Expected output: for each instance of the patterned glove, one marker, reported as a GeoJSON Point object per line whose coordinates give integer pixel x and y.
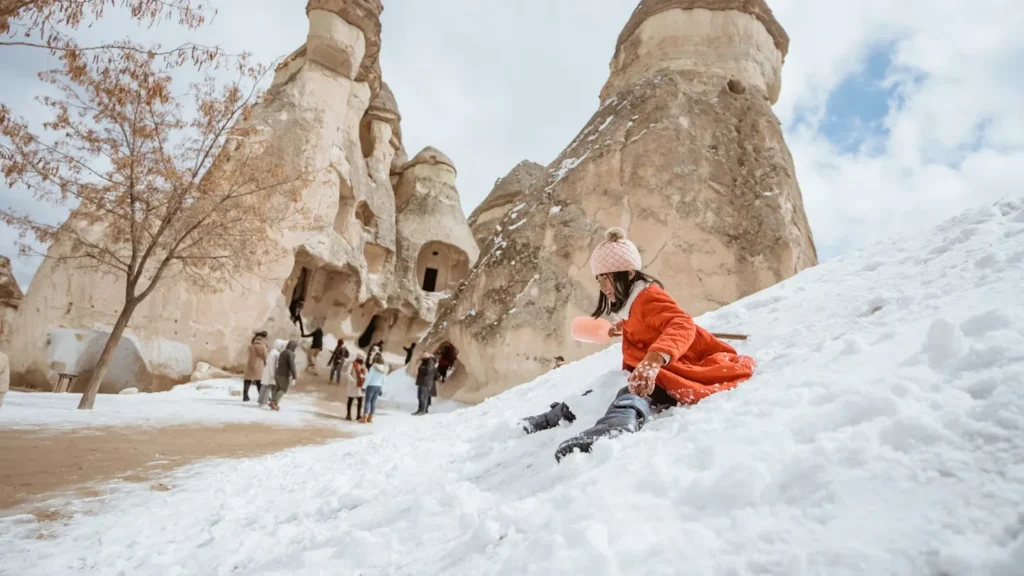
{"type": "Point", "coordinates": [642, 380]}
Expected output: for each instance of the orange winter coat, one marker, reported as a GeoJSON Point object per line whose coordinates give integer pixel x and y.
{"type": "Point", "coordinates": [700, 364]}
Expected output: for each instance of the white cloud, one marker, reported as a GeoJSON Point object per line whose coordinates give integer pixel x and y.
{"type": "Point", "coordinates": [493, 83]}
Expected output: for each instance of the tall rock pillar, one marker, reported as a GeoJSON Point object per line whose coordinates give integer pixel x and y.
{"type": "Point", "coordinates": [685, 153]}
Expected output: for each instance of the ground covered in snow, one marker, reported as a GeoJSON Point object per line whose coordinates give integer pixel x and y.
{"type": "Point", "coordinates": [211, 402]}
{"type": "Point", "coordinates": [882, 434]}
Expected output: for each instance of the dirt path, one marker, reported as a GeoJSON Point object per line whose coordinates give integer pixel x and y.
{"type": "Point", "coordinates": [33, 463]}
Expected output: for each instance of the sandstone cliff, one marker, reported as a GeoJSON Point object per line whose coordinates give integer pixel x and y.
{"type": "Point", "coordinates": [685, 153]}
{"type": "Point", "coordinates": [10, 297]}
{"type": "Point", "coordinates": [327, 115]}
{"type": "Point", "coordinates": [507, 191]}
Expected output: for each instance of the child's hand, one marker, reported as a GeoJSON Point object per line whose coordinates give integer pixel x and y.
{"type": "Point", "coordinates": [615, 330]}
{"type": "Point", "coordinates": [644, 376]}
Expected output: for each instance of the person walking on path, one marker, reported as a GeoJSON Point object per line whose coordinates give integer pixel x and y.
{"type": "Point", "coordinates": [315, 347]}
{"type": "Point", "coordinates": [285, 374]}
{"type": "Point", "coordinates": [337, 362]}
{"type": "Point", "coordinates": [5, 377]}
{"type": "Point", "coordinates": [356, 376]}
{"type": "Point", "coordinates": [426, 376]}
{"type": "Point", "coordinates": [374, 386]}
{"type": "Point", "coordinates": [255, 365]}
{"type": "Point", "coordinates": [269, 380]}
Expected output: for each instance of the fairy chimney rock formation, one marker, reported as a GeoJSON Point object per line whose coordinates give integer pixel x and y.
{"type": "Point", "coordinates": [684, 153]}
{"type": "Point", "coordinates": [330, 119]}
{"type": "Point", "coordinates": [507, 191]}
{"type": "Point", "coordinates": [344, 36]}
{"type": "Point", "coordinates": [736, 38]}
{"type": "Point", "coordinates": [436, 246]}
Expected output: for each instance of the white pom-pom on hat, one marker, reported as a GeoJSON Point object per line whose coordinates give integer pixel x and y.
{"type": "Point", "coordinates": [615, 254]}
{"type": "Point", "coordinates": [615, 234]}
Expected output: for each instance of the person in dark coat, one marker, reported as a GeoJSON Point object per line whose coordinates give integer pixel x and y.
{"type": "Point", "coordinates": [314, 349]}
{"type": "Point", "coordinates": [337, 362]}
{"type": "Point", "coordinates": [449, 354]}
{"type": "Point", "coordinates": [285, 374]}
{"type": "Point", "coordinates": [408, 353]}
{"type": "Point", "coordinates": [426, 380]}
{"type": "Point", "coordinates": [296, 311]}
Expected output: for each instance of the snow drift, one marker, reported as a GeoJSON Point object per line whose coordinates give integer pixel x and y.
{"type": "Point", "coordinates": [882, 434]}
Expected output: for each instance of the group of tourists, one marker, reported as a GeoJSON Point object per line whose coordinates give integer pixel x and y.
{"type": "Point", "coordinates": [270, 369]}
{"type": "Point", "coordinates": [364, 380]}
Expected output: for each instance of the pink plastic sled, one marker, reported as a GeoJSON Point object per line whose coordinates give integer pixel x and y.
{"type": "Point", "coordinates": [592, 330]}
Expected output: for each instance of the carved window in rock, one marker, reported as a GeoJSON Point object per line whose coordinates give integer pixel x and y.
{"type": "Point", "coordinates": [366, 141]}
{"type": "Point", "coordinates": [365, 216]}
{"type": "Point", "coordinates": [441, 266]}
{"type": "Point", "coordinates": [377, 257]}
{"type": "Point", "coordinates": [346, 204]}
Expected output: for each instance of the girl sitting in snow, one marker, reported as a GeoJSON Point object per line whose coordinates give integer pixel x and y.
{"type": "Point", "coordinates": [671, 360]}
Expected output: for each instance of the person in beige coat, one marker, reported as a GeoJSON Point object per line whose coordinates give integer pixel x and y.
{"type": "Point", "coordinates": [5, 377]}
{"type": "Point", "coordinates": [254, 367]}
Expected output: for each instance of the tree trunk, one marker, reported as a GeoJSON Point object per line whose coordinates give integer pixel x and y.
{"type": "Point", "coordinates": [100, 371]}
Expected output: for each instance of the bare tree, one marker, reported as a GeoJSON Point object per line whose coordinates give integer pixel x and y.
{"type": "Point", "coordinates": [159, 192]}
{"type": "Point", "coordinates": [49, 24]}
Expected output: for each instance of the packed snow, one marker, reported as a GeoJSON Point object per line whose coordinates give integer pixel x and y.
{"type": "Point", "coordinates": [212, 402]}
{"type": "Point", "coordinates": [882, 434]}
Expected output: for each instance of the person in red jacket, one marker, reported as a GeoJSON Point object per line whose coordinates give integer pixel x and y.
{"type": "Point", "coordinates": [671, 360]}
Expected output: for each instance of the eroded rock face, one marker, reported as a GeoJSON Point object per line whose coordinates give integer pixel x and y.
{"type": "Point", "coordinates": [685, 154]}
{"type": "Point", "coordinates": [506, 193]}
{"type": "Point", "coordinates": [334, 46]}
{"type": "Point", "coordinates": [328, 118]}
{"type": "Point", "coordinates": [10, 297]}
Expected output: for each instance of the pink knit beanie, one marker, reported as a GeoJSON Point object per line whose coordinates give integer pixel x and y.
{"type": "Point", "coordinates": [615, 254]}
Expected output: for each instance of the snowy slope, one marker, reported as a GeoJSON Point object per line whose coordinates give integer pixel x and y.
{"type": "Point", "coordinates": [883, 434]}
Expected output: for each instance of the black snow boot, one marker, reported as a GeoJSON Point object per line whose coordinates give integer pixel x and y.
{"type": "Point", "coordinates": [559, 411]}
{"type": "Point", "coordinates": [628, 413]}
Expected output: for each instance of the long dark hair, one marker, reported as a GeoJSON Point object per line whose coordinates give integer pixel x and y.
{"type": "Point", "coordinates": [623, 286]}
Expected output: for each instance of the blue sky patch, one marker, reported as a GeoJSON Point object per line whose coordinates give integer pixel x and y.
{"type": "Point", "coordinates": [856, 110]}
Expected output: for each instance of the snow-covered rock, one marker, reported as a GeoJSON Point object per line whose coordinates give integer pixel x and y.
{"type": "Point", "coordinates": [882, 434]}
{"type": "Point", "coordinates": [206, 372]}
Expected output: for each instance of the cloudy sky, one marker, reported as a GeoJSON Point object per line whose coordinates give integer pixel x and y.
{"type": "Point", "coordinates": [899, 114]}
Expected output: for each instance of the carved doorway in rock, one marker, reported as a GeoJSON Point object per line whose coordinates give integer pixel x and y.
{"type": "Point", "coordinates": [440, 266]}
{"type": "Point", "coordinates": [366, 339]}
{"type": "Point", "coordinates": [430, 280]}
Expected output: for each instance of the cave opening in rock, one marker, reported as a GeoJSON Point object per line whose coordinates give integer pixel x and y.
{"type": "Point", "coordinates": [299, 295]}
{"type": "Point", "coordinates": [366, 338]}
{"type": "Point", "coordinates": [430, 280]}
{"type": "Point", "coordinates": [440, 266]}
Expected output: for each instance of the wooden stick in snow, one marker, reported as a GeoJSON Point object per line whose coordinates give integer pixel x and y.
{"type": "Point", "coordinates": [730, 336]}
